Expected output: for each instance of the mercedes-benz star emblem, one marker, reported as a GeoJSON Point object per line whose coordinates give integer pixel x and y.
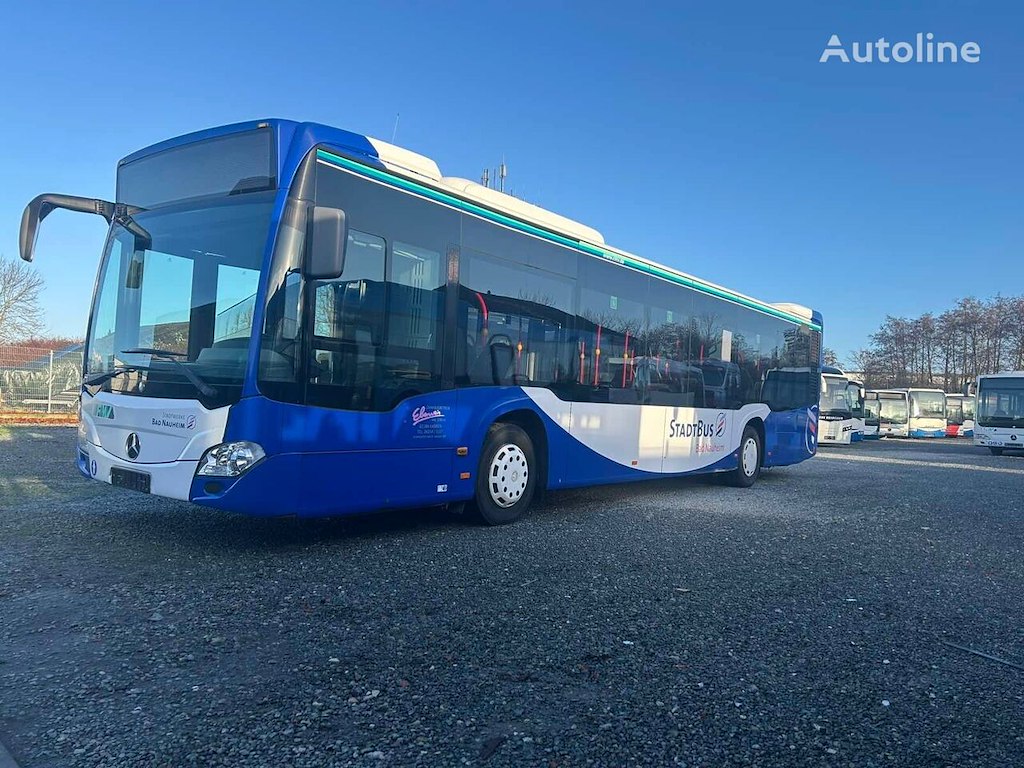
{"type": "Point", "coordinates": [132, 446]}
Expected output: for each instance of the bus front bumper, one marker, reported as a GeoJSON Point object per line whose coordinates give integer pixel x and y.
{"type": "Point", "coordinates": [257, 492]}
{"type": "Point", "coordinates": [171, 479]}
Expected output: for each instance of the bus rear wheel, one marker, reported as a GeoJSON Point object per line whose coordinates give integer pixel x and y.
{"type": "Point", "coordinates": [507, 476]}
{"type": "Point", "coordinates": [996, 451]}
{"type": "Point", "coordinates": [749, 467]}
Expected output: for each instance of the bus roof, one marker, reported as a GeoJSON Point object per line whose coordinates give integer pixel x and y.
{"type": "Point", "coordinates": [412, 171]}
{"type": "Point", "coordinates": [1003, 375]}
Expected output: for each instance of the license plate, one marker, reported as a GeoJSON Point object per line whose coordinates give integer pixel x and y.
{"type": "Point", "coordinates": [126, 478]}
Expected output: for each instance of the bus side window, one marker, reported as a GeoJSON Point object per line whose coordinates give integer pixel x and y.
{"type": "Point", "coordinates": [514, 323]}
{"type": "Point", "coordinates": [348, 328]}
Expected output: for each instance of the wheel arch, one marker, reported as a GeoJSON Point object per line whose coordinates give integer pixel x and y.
{"type": "Point", "coordinates": [758, 424]}
{"type": "Point", "coordinates": [533, 426]}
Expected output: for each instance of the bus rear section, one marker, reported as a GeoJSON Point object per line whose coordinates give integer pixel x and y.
{"type": "Point", "coordinates": [836, 410]}
{"type": "Point", "coordinates": [960, 415]}
{"type": "Point", "coordinates": [893, 414]}
{"type": "Point", "coordinates": [999, 416]}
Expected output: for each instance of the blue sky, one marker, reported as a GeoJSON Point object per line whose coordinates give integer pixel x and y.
{"type": "Point", "coordinates": [703, 135]}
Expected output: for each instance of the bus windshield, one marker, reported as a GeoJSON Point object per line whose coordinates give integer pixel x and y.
{"type": "Point", "coordinates": [1001, 402]}
{"type": "Point", "coordinates": [835, 397]}
{"type": "Point", "coordinates": [893, 410]}
{"type": "Point", "coordinates": [872, 410]}
{"type": "Point", "coordinates": [954, 410]}
{"type": "Point", "coordinates": [856, 398]}
{"type": "Point", "coordinates": [186, 290]}
{"type": "Point", "coordinates": [968, 407]}
{"type": "Point", "coordinates": [928, 405]}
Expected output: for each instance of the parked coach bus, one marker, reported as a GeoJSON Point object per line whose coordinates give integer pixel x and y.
{"type": "Point", "coordinates": [999, 422]}
{"type": "Point", "coordinates": [835, 407]}
{"type": "Point", "coordinates": [893, 414]}
{"type": "Point", "coordinates": [960, 415]}
{"type": "Point", "coordinates": [294, 319]}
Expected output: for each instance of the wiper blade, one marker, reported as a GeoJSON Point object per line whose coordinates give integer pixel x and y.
{"type": "Point", "coordinates": [172, 357]}
{"type": "Point", "coordinates": [153, 352]}
{"type": "Point", "coordinates": [102, 378]}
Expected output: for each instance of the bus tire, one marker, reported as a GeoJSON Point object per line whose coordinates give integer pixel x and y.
{"type": "Point", "coordinates": [996, 451]}
{"type": "Point", "coordinates": [749, 466]}
{"type": "Point", "coordinates": [507, 476]}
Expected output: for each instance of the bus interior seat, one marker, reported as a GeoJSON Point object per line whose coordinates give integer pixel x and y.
{"type": "Point", "coordinates": [502, 362]}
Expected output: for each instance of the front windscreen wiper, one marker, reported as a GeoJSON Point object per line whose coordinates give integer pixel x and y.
{"type": "Point", "coordinates": [172, 357]}
{"type": "Point", "coordinates": [153, 352]}
{"type": "Point", "coordinates": [102, 378]}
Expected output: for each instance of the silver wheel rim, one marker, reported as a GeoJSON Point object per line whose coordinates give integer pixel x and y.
{"type": "Point", "coordinates": [750, 457]}
{"type": "Point", "coordinates": [508, 475]}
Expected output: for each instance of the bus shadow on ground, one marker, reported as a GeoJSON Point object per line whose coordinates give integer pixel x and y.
{"type": "Point", "coordinates": [239, 532]}
{"type": "Point", "coordinates": [38, 468]}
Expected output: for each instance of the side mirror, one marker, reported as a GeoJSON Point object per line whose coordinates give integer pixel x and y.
{"type": "Point", "coordinates": [328, 236]}
{"type": "Point", "coordinates": [43, 205]}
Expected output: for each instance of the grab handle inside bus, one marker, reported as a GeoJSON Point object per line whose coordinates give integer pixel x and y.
{"type": "Point", "coordinates": [328, 236]}
{"type": "Point", "coordinates": [43, 205]}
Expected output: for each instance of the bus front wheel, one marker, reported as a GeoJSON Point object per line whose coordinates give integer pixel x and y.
{"type": "Point", "coordinates": [507, 475]}
{"type": "Point", "coordinates": [996, 451]}
{"type": "Point", "coordinates": [749, 466]}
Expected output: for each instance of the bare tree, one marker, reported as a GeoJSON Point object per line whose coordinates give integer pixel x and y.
{"type": "Point", "coordinates": [974, 337]}
{"type": "Point", "coordinates": [20, 313]}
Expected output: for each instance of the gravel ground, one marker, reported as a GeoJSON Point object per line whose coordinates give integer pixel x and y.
{"type": "Point", "coordinates": [802, 622]}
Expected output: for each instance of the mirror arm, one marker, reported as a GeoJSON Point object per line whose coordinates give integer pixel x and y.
{"type": "Point", "coordinates": [43, 205]}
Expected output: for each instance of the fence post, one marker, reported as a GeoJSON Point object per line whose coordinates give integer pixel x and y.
{"type": "Point", "coordinates": [49, 385]}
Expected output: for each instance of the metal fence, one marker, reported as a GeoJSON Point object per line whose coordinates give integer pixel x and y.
{"type": "Point", "coordinates": [40, 379]}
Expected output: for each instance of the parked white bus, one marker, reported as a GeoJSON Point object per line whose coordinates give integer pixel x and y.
{"type": "Point", "coordinates": [999, 425]}
{"type": "Point", "coordinates": [835, 410]}
{"type": "Point", "coordinates": [872, 415]}
{"type": "Point", "coordinates": [856, 389]}
{"type": "Point", "coordinates": [927, 412]}
{"type": "Point", "coordinates": [893, 414]}
{"type": "Point", "coordinates": [960, 415]}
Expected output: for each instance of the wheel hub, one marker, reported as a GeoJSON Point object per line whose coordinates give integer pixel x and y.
{"type": "Point", "coordinates": [749, 457]}
{"type": "Point", "coordinates": [508, 475]}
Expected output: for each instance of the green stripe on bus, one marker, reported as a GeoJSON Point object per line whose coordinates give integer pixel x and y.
{"type": "Point", "coordinates": [487, 213]}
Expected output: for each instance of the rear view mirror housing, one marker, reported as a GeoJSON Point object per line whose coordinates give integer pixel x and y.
{"type": "Point", "coordinates": [327, 240]}
{"type": "Point", "coordinates": [43, 205]}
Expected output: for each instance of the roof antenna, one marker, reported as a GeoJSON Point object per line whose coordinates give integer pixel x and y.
{"type": "Point", "coordinates": [394, 132]}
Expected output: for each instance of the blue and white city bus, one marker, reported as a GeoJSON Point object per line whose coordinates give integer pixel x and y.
{"type": "Point", "coordinates": [294, 319]}
{"type": "Point", "coordinates": [999, 421]}
{"type": "Point", "coordinates": [927, 412]}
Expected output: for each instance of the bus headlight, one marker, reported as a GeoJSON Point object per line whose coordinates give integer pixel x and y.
{"type": "Point", "coordinates": [230, 459]}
